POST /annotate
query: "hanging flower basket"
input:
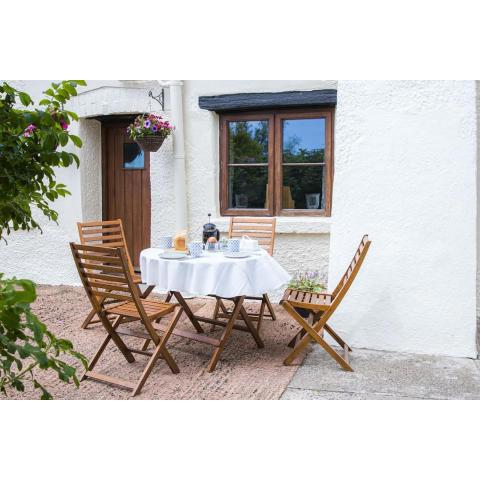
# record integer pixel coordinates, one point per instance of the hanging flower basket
(150, 131)
(151, 143)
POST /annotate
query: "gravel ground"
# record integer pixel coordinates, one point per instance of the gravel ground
(243, 372)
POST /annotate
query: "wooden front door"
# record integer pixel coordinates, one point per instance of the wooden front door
(126, 186)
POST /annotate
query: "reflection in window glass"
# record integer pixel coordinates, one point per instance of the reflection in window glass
(133, 156)
(247, 187)
(248, 142)
(304, 140)
(303, 187)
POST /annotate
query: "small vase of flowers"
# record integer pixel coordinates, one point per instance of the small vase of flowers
(306, 282)
(149, 131)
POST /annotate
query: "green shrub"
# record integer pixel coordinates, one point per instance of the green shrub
(25, 342)
(31, 149)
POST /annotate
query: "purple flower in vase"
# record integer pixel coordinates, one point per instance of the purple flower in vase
(154, 128)
(146, 124)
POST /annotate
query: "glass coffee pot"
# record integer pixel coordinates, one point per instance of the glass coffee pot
(210, 230)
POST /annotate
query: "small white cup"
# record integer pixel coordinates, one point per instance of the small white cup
(234, 245)
(196, 249)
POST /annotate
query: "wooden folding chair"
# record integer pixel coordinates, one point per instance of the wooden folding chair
(108, 233)
(108, 281)
(263, 230)
(322, 306)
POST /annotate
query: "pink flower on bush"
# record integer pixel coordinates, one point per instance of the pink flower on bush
(29, 130)
(64, 125)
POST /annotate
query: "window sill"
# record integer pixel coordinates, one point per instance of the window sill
(288, 225)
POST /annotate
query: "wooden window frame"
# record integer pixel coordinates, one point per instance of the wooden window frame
(275, 161)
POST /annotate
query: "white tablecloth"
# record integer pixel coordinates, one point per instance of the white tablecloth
(214, 274)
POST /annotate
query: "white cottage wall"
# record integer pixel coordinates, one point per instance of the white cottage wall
(302, 243)
(405, 165)
(46, 258)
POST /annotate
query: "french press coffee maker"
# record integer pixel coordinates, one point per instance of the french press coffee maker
(210, 230)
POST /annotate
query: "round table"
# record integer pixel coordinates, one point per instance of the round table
(214, 274)
(224, 278)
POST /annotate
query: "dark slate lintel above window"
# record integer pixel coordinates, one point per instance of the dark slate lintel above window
(258, 101)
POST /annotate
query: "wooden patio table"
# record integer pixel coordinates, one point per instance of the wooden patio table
(214, 274)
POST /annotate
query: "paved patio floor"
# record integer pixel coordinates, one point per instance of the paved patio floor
(382, 375)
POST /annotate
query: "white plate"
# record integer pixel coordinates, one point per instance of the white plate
(172, 255)
(236, 254)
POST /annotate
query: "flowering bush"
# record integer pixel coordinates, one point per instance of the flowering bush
(31, 152)
(307, 282)
(31, 149)
(149, 124)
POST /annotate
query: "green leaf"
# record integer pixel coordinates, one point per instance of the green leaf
(25, 98)
(63, 137)
(72, 115)
(50, 142)
(70, 88)
(76, 140)
(27, 293)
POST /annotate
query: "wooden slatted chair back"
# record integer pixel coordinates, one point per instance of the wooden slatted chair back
(108, 233)
(352, 270)
(106, 276)
(257, 228)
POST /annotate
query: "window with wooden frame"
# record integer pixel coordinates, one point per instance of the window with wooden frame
(276, 163)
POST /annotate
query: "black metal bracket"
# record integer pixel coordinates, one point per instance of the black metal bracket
(160, 98)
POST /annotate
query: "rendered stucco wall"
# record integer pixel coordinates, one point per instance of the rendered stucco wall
(46, 258)
(302, 243)
(477, 84)
(405, 173)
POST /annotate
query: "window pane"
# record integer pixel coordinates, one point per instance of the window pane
(247, 187)
(304, 140)
(132, 156)
(248, 142)
(303, 187)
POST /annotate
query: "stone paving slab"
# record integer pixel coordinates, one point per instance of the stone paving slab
(385, 375)
(304, 394)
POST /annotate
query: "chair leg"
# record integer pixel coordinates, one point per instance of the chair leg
(269, 306)
(89, 318)
(251, 328)
(337, 337)
(147, 291)
(130, 358)
(226, 335)
(301, 333)
(312, 333)
(115, 337)
(160, 350)
(260, 314)
(215, 313)
(145, 294)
